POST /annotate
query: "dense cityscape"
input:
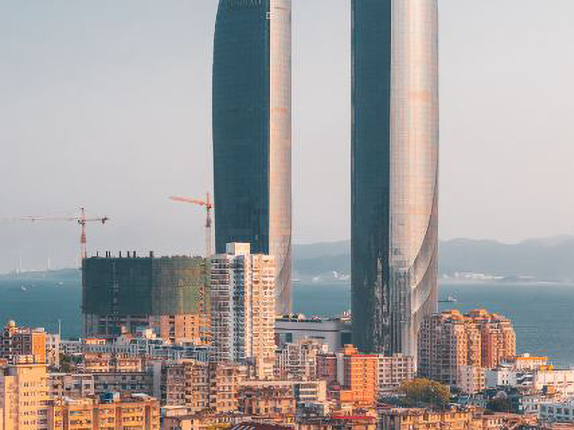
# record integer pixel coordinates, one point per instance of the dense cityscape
(211, 342)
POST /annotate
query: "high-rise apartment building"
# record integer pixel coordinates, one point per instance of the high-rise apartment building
(450, 340)
(243, 307)
(252, 132)
(395, 134)
(23, 397)
(360, 377)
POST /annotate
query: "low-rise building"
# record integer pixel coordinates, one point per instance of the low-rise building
(123, 382)
(525, 362)
(138, 412)
(53, 349)
(338, 422)
(454, 419)
(96, 363)
(16, 341)
(335, 332)
(274, 399)
(203, 421)
(72, 385)
(545, 380)
(298, 360)
(71, 347)
(562, 412)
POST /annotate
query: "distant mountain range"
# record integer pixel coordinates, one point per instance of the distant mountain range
(549, 258)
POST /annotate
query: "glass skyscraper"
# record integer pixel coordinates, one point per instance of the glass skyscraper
(395, 135)
(252, 132)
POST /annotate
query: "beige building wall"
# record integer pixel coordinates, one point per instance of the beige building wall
(243, 308)
(23, 397)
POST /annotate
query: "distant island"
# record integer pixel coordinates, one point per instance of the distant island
(535, 260)
(546, 259)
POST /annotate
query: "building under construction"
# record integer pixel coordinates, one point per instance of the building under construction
(126, 294)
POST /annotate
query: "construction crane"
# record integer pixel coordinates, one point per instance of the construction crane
(81, 219)
(208, 207)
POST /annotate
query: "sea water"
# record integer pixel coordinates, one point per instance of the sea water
(542, 313)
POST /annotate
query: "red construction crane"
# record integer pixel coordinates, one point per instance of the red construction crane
(208, 207)
(80, 219)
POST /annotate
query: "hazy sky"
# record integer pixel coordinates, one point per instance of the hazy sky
(107, 104)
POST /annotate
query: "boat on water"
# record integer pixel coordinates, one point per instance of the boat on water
(449, 299)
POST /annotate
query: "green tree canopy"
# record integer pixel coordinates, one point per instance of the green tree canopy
(421, 392)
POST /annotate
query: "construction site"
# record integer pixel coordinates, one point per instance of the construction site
(126, 293)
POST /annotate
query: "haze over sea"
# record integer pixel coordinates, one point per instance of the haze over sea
(542, 313)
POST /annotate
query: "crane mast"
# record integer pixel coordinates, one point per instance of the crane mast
(208, 207)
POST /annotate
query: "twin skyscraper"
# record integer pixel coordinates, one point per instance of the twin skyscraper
(394, 155)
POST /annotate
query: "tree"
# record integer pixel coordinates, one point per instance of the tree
(419, 392)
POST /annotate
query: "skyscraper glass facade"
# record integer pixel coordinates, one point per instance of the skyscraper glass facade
(394, 171)
(252, 131)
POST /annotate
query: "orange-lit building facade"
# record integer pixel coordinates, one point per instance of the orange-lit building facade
(17, 341)
(359, 377)
(23, 397)
(452, 339)
(133, 413)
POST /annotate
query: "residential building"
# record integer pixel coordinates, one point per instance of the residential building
(167, 294)
(327, 367)
(450, 339)
(182, 383)
(72, 385)
(146, 347)
(96, 363)
(118, 413)
(23, 397)
(16, 341)
(71, 347)
(307, 392)
(53, 349)
(298, 361)
(224, 383)
(338, 422)
(203, 421)
(470, 379)
(393, 370)
(394, 172)
(360, 374)
(525, 362)
(243, 307)
(274, 399)
(335, 332)
(252, 132)
(123, 382)
(560, 412)
(545, 380)
(454, 419)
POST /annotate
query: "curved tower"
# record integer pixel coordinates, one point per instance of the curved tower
(252, 131)
(395, 136)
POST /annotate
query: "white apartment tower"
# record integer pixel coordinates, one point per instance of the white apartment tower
(243, 307)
